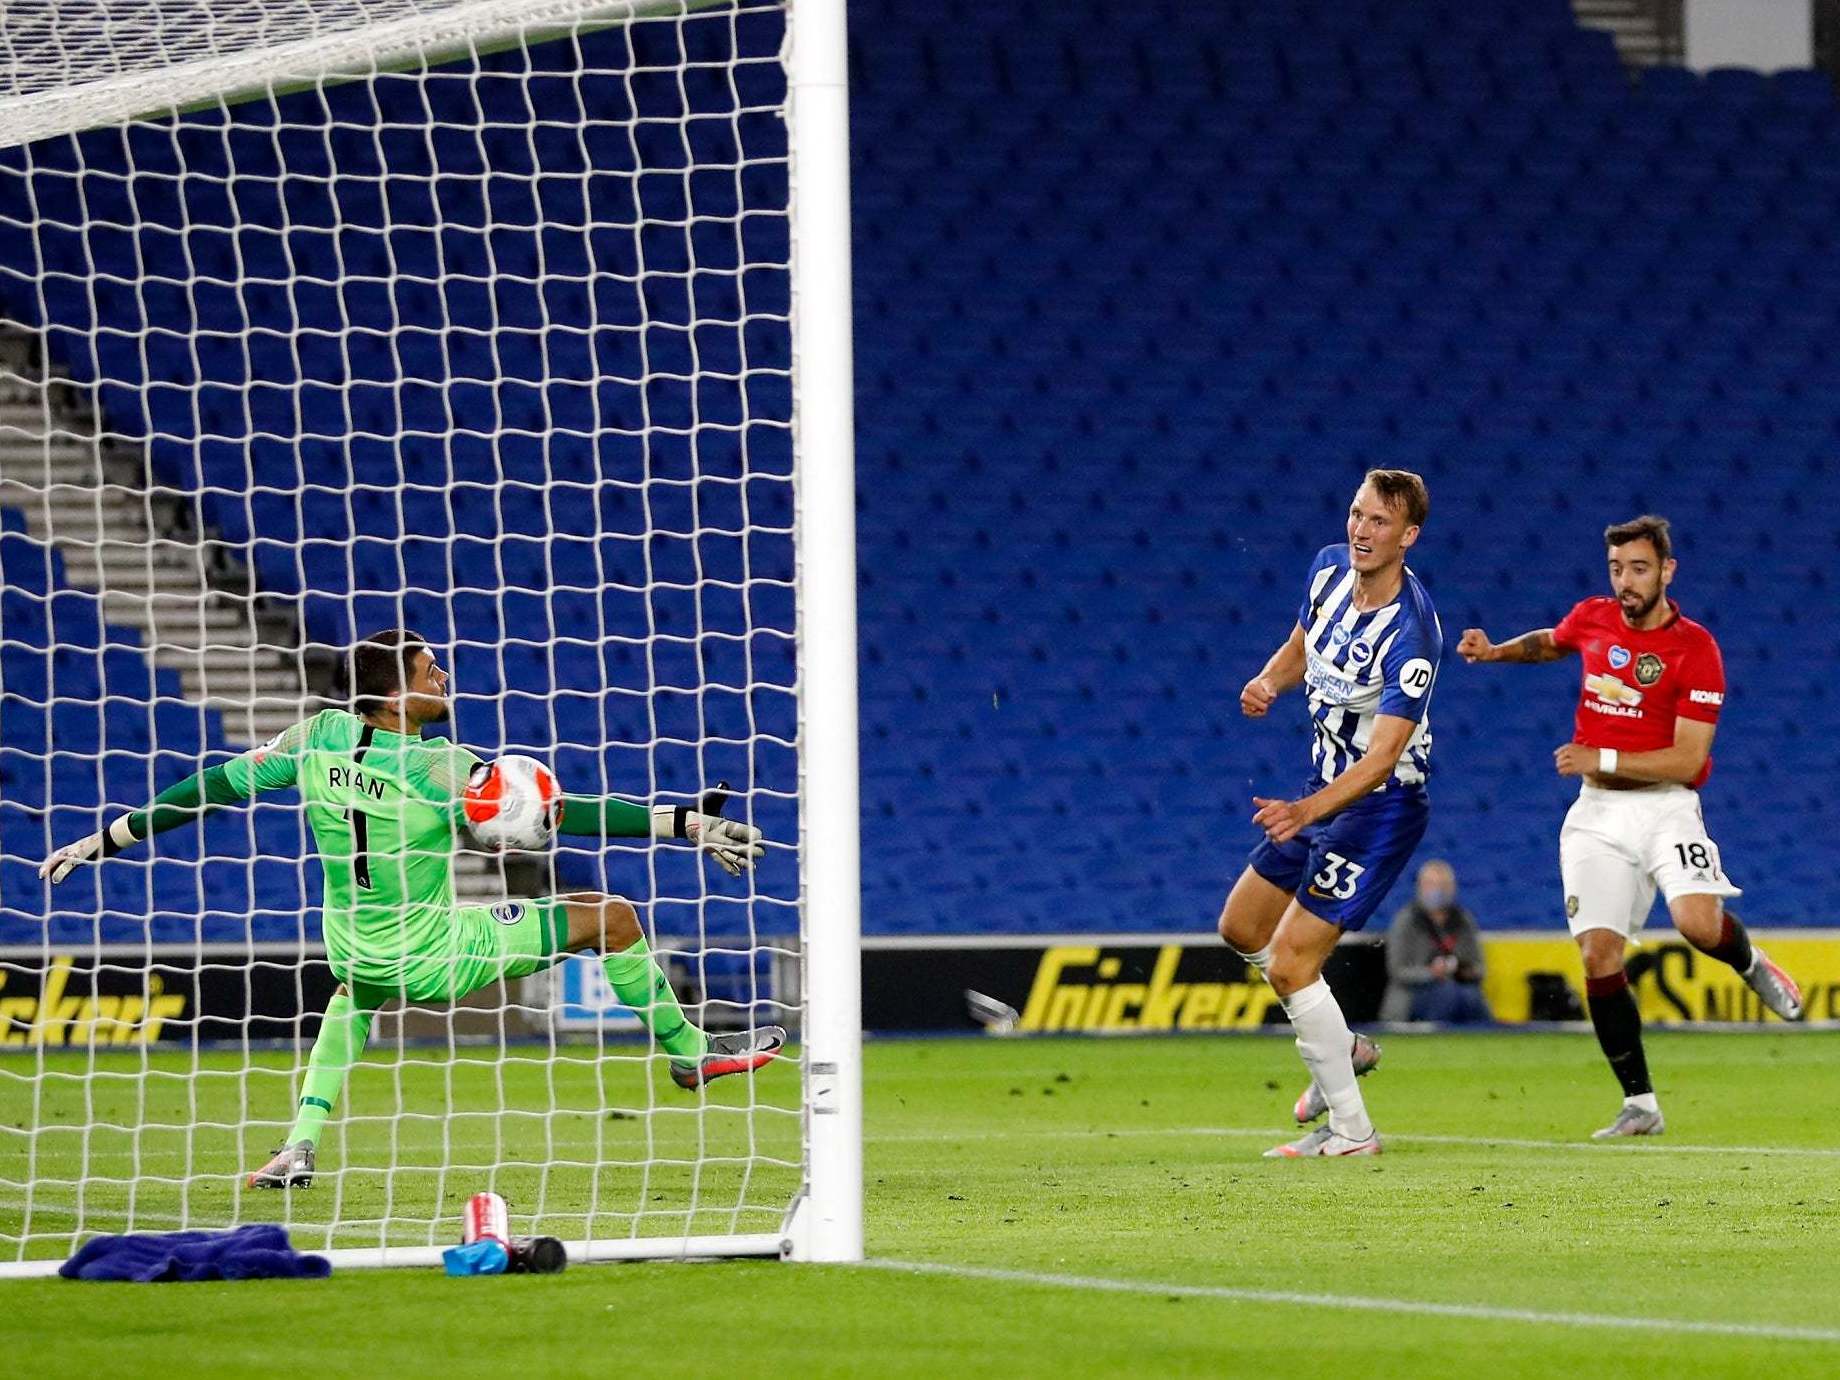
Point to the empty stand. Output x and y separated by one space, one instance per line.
1140 296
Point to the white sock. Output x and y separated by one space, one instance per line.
1261 959
1326 1044
1647 1102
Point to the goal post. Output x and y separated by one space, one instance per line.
829 798
592 421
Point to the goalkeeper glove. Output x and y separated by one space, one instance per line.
105 844
735 846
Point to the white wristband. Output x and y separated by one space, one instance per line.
664 822
1606 761
673 821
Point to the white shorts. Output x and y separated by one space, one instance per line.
1618 847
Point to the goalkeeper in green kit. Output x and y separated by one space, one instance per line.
384 805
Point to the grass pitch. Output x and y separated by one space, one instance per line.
1078 1207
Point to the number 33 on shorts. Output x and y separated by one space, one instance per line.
1337 878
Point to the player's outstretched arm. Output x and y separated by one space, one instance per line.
734 846
1284 671
273 765
180 803
1530 647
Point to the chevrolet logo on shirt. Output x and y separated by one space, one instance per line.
1611 690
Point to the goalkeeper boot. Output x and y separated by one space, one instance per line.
1632 1121
1313 1104
292 1167
1775 988
742 1052
1324 1143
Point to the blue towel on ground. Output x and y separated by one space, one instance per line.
253 1252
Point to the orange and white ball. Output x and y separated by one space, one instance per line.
514 802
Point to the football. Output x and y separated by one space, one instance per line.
514 802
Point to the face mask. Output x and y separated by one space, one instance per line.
1437 897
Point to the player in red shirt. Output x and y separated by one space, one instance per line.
1653 687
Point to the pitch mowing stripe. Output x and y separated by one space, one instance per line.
1365 1304
164 1219
1643 1145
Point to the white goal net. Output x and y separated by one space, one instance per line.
520 325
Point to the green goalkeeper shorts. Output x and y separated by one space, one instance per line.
485 943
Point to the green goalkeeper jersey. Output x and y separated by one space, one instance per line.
385 810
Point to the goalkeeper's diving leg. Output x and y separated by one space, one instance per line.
342 1033
610 926
527 938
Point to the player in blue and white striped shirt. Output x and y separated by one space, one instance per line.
1366 645
1360 663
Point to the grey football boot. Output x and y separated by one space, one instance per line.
742 1052
1774 988
1313 1104
1323 1143
1632 1121
292 1167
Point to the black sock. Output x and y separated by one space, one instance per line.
1734 945
1619 1030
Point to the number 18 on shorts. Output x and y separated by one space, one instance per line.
1618 848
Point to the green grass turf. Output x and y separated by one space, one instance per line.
1125 1159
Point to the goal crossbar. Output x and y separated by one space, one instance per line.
472 27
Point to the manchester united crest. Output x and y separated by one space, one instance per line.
1648 668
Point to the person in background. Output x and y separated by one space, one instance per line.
1434 956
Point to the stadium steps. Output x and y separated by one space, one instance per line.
55 469
1641 37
